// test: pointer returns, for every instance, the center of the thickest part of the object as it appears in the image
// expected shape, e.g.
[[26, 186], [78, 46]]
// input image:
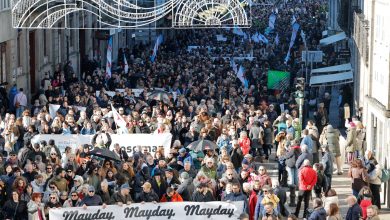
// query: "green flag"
[[278, 80]]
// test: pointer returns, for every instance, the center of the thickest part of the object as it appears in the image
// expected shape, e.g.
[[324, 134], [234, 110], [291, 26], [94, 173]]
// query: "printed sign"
[[150, 211], [128, 142]]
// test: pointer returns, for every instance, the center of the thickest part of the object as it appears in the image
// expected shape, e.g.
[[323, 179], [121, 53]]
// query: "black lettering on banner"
[[132, 149], [196, 210], [74, 215], [131, 212]]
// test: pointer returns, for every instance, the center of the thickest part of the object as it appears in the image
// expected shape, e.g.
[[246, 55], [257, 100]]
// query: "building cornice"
[[375, 103]]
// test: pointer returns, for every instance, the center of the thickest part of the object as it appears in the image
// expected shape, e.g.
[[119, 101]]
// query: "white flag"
[[53, 110], [126, 64], [119, 121]]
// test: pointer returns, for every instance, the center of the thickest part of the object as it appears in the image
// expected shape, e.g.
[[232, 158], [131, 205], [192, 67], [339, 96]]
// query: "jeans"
[[292, 176], [19, 111], [305, 196]]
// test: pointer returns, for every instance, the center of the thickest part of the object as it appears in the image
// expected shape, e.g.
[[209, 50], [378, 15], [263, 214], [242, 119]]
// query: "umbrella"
[[104, 153], [160, 96], [202, 145]]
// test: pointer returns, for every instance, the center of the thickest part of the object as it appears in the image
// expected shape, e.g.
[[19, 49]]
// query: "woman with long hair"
[[107, 165], [125, 174], [358, 173], [20, 185], [334, 213], [15, 208]]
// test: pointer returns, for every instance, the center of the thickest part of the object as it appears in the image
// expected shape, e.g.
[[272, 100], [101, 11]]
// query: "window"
[[3, 72], [4, 4]]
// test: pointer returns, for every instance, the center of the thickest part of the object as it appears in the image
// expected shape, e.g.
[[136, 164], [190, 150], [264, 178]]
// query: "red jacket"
[[175, 198], [307, 178], [364, 204], [245, 145], [252, 204]]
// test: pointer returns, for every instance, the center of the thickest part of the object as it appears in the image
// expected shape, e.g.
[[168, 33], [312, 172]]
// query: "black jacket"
[[149, 197], [354, 212], [236, 157], [16, 211], [200, 197], [292, 156]]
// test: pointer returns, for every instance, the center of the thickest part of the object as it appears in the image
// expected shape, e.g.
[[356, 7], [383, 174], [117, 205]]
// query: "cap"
[[69, 168], [245, 161], [147, 185], [184, 175], [182, 150], [91, 188], [125, 186]]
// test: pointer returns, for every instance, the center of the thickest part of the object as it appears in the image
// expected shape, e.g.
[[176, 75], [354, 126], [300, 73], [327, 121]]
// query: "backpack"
[[385, 175]]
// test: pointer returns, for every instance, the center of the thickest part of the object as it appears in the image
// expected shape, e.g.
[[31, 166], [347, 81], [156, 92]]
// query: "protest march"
[[202, 124]]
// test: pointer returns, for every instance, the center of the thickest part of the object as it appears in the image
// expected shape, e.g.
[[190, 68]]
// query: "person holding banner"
[[92, 199], [122, 196], [148, 194]]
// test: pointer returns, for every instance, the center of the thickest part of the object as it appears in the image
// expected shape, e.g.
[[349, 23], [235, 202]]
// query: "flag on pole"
[[109, 58], [119, 121], [295, 28], [240, 74], [271, 21], [277, 39], [126, 64], [159, 40], [263, 39]]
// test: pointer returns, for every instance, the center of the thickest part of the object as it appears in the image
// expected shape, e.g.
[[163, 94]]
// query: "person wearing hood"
[[330, 136], [319, 212], [186, 187]]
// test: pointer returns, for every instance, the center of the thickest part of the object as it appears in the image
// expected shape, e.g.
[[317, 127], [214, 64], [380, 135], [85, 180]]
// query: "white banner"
[[150, 211], [128, 142]]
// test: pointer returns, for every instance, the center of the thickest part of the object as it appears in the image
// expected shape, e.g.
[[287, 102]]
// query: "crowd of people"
[[249, 126]]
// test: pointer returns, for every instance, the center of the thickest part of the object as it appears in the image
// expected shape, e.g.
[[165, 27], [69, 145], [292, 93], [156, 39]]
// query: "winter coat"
[[252, 204], [303, 157], [256, 136], [363, 205], [292, 156], [149, 197], [318, 214], [186, 189], [175, 198], [68, 203], [264, 179], [351, 140], [354, 212], [307, 178], [327, 162], [332, 139], [32, 209], [9, 210], [118, 197], [200, 197], [329, 200], [245, 145], [159, 189], [236, 157], [235, 197], [360, 139], [211, 173]]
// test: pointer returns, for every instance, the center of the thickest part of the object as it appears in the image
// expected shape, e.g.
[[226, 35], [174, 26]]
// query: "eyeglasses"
[[91, 191], [12, 155], [265, 191], [48, 168], [52, 197], [69, 171], [52, 187]]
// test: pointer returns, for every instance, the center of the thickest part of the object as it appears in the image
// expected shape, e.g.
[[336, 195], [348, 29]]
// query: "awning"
[[332, 39], [338, 78], [338, 68]]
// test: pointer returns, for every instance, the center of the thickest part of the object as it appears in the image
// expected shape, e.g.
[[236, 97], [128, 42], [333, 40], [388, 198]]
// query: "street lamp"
[[300, 98]]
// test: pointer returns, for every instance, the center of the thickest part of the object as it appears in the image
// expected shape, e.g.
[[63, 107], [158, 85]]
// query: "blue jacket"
[[318, 214], [234, 197], [309, 142], [354, 212]]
